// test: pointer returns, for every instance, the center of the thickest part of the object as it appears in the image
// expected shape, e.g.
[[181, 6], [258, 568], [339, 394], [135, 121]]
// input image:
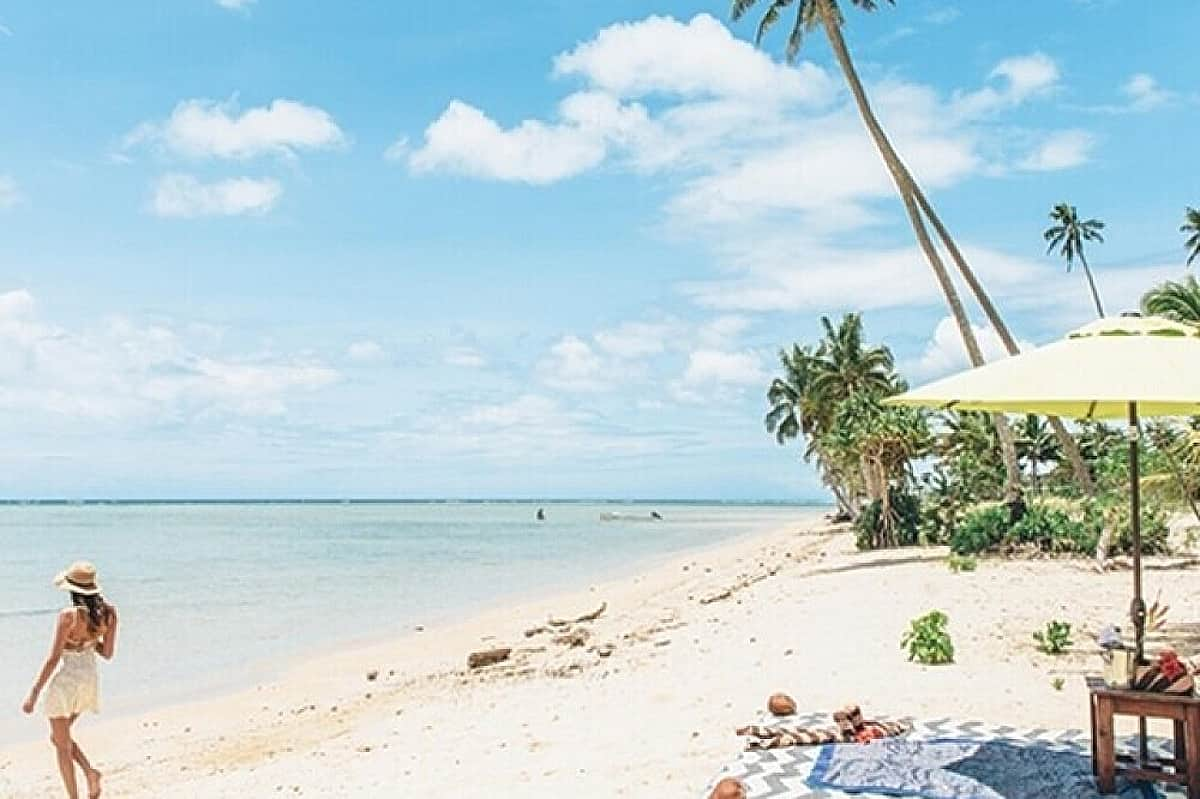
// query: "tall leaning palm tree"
[[1067, 235], [1191, 225], [825, 14], [1175, 300]]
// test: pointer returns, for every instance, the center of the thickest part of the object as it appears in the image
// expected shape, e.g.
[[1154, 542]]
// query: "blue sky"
[[547, 249]]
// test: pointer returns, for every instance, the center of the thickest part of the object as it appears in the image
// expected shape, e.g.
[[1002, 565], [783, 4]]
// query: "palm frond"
[[740, 7]]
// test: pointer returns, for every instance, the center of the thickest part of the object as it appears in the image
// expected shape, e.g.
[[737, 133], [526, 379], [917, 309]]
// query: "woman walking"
[[87, 628]]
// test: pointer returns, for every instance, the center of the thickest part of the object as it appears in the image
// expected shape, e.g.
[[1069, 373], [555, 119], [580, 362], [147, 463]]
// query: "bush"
[[981, 530], [1056, 638], [1154, 530], [927, 640], [962, 563], [906, 517], [1044, 527]]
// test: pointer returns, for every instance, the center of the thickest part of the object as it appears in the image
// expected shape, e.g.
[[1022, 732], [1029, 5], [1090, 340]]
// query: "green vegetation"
[[927, 640], [905, 477], [1057, 683], [1055, 639], [961, 563]]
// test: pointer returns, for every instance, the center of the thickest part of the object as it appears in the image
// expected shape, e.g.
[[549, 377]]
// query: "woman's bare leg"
[[92, 775], [64, 748]]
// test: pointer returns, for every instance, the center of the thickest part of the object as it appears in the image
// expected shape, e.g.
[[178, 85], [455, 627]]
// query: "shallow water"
[[213, 595]]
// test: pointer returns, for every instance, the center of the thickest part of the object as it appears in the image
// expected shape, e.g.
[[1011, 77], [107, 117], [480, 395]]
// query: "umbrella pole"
[[1137, 610]]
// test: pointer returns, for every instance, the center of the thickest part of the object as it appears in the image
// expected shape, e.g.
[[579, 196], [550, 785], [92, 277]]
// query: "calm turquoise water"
[[213, 596]]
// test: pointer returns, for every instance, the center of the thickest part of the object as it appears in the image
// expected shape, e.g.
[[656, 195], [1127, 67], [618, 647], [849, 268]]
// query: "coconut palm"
[[1191, 224], [1036, 445], [1175, 300], [1067, 234], [843, 367], [826, 14]]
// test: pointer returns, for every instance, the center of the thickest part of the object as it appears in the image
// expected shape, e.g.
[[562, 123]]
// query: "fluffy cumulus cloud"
[[574, 365], [210, 129], [715, 366], [10, 195], [178, 195], [464, 357], [1013, 81], [1144, 93], [945, 351], [120, 370], [1062, 149]]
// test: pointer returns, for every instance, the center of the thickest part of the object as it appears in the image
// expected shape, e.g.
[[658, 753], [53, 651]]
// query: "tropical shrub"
[[1044, 528], [927, 640], [981, 530], [962, 563], [1055, 639]]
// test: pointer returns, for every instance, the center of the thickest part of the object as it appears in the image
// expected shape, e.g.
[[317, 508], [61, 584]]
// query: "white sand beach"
[[653, 717]]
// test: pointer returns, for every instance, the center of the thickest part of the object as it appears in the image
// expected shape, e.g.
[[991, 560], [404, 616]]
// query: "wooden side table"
[[1183, 769]]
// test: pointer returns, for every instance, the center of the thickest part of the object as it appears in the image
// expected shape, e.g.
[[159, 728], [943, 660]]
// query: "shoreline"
[[643, 700], [266, 669]]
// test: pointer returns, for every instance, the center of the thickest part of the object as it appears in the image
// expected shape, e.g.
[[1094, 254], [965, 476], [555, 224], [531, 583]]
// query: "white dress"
[[75, 687]]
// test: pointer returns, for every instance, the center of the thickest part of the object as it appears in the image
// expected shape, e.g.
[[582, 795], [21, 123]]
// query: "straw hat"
[[78, 578]]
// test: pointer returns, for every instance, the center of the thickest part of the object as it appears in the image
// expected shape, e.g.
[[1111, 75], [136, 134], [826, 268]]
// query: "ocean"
[[215, 595]]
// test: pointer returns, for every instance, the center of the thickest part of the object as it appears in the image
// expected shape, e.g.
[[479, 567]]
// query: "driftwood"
[[577, 637], [595, 614], [744, 582], [552, 623], [488, 657]]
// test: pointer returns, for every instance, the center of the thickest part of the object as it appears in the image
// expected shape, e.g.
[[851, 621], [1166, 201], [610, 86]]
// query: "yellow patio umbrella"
[[1118, 368]]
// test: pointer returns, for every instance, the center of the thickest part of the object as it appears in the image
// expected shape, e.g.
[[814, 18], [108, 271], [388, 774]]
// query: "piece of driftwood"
[[595, 614], [577, 637], [488, 657]]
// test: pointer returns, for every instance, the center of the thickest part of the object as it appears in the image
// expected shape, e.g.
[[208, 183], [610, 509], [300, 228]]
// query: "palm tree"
[[1036, 445], [1191, 224], [826, 14], [1175, 300], [844, 367], [1068, 234]]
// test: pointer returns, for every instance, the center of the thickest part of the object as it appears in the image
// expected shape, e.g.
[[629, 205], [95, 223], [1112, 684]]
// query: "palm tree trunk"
[[1070, 447], [905, 186], [1087, 270]]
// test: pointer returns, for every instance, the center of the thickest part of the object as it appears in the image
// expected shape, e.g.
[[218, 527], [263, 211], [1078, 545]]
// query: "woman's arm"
[[108, 644], [65, 620]]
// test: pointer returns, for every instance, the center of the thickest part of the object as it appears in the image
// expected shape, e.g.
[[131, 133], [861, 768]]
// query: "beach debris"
[[781, 705], [595, 614], [728, 788], [576, 637], [744, 581], [372, 675], [488, 657], [605, 650]]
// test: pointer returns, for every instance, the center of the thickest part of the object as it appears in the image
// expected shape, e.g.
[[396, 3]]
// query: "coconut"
[[781, 705], [728, 788]]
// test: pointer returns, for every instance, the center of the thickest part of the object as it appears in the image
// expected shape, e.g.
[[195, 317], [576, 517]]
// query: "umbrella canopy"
[[1093, 373]]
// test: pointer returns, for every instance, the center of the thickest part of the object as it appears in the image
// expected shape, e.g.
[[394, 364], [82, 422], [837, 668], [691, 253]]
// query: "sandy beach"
[[640, 702]]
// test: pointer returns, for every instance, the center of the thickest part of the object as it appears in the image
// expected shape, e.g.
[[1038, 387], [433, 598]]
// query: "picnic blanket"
[[983, 752]]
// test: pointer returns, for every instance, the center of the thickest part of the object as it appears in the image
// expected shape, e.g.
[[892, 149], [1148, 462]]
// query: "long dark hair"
[[97, 610]]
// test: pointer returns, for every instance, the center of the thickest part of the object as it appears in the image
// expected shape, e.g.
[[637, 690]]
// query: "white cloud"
[[1019, 77], [715, 366], [10, 195], [946, 353], [208, 129], [464, 140], [123, 371], [1062, 149], [573, 365], [365, 351], [235, 4], [177, 195], [700, 58], [7, 31], [1144, 92], [464, 357]]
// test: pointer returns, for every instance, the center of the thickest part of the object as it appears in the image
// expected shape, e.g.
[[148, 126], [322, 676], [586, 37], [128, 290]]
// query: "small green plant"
[[961, 563], [927, 640], [1056, 638], [1058, 683]]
